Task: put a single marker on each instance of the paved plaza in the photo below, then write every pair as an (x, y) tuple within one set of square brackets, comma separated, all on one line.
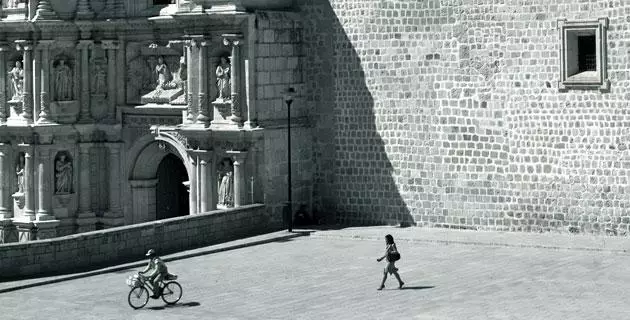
[(334, 275)]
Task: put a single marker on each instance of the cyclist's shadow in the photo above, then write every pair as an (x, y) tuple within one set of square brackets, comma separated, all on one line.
[(177, 305)]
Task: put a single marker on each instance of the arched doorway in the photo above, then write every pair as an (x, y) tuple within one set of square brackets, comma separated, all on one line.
[(171, 194)]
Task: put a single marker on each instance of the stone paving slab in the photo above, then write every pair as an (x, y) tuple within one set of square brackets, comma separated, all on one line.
[(547, 240), (231, 245), (310, 278)]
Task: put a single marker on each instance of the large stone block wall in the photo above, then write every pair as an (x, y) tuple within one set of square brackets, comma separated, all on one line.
[(124, 244), (279, 64), (448, 112)]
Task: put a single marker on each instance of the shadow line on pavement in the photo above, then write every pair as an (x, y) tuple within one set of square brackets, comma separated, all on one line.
[(177, 305), (417, 288)]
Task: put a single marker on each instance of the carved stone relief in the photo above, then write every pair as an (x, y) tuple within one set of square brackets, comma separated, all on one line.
[(19, 172), (223, 73), (16, 81), (225, 185), (63, 80), (99, 76), (13, 4), (63, 173)]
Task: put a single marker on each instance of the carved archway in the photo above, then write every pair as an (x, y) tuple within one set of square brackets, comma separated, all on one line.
[(145, 157)]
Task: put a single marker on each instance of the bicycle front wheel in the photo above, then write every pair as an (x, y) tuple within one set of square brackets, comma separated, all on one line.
[(172, 292), (138, 297)]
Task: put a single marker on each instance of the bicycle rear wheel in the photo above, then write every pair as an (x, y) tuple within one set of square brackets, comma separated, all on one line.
[(138, 297), (172, 292)]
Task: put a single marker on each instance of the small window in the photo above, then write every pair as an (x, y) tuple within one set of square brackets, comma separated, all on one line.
[(161, 2), (583, 55)]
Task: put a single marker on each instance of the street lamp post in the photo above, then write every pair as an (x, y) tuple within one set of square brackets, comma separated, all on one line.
[(288, 98)]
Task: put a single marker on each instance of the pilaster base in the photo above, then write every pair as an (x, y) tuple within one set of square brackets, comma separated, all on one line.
[(112, 219), (86, 222), (46, 229)]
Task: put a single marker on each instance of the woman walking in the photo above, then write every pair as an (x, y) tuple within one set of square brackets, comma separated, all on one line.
[(390, 251)]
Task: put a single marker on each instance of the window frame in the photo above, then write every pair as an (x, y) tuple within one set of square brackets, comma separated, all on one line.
[(569, 35)]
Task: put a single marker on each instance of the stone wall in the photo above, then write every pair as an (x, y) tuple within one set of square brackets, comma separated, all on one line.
[(278, 66), (448, 112), (124, 244)]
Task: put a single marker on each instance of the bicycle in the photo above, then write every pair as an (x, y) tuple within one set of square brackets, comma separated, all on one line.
[(171, 291)]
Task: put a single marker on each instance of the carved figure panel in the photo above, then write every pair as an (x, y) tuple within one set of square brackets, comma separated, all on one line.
[(19, 172), (99, 76), (63, 80), (12, 4), (226, 184), (223, 73), (16, 81), (63, 173)]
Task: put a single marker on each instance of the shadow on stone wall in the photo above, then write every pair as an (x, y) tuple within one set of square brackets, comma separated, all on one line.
[(354, 177)]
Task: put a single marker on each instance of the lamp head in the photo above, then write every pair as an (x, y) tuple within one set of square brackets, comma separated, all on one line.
[(288, 95)]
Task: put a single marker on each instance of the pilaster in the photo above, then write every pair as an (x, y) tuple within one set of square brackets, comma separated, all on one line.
[(5, 212), (250, 74), (44, 115), (203, 117), (44, 189), (111, 46), (114, 216), (4, 112), (84, 46), (190, 118), (207, 181), (29, 210), (234, 41), (86, 218), (192, 184)]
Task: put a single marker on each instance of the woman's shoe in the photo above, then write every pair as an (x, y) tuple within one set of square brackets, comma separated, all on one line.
[(381, 288), (400, 285)]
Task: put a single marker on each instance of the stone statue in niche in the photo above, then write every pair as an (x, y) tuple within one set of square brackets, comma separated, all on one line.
[(12, 3), (16, 75), (63, 81), (226, 184), (19, 172), (63, 174), (223, 79), (162, 74), (99, 79)]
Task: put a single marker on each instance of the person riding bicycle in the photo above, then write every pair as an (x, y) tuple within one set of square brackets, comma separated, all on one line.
[(155, 271)]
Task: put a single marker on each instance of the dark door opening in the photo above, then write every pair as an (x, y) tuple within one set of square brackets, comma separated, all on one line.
[(171, 194)]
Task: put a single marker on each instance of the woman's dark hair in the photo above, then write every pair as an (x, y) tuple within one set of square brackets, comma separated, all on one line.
[(389, 239)]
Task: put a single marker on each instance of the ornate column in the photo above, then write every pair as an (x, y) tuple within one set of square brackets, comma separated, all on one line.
[(29, 211), (113, 217), (86, 218), (189, 82), (44, 98), (44, 10), (44, 210), (193, 186), (84, 47), (207, 184), (203, 82), (27, 94), (3, 71), (5, 211), (83, 10), (37, 75), (234, 41), (111, 46), (240, 186), (121, 72)]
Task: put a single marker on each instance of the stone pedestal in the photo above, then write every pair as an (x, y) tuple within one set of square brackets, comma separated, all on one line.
[(86, 222), (46, 229), (26, 230), (8, 231)]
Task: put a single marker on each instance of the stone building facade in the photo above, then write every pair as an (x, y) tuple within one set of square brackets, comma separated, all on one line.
[(116, 112), (471, 114)]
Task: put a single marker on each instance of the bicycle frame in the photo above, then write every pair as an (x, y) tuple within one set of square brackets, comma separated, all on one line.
[(148, 285)]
